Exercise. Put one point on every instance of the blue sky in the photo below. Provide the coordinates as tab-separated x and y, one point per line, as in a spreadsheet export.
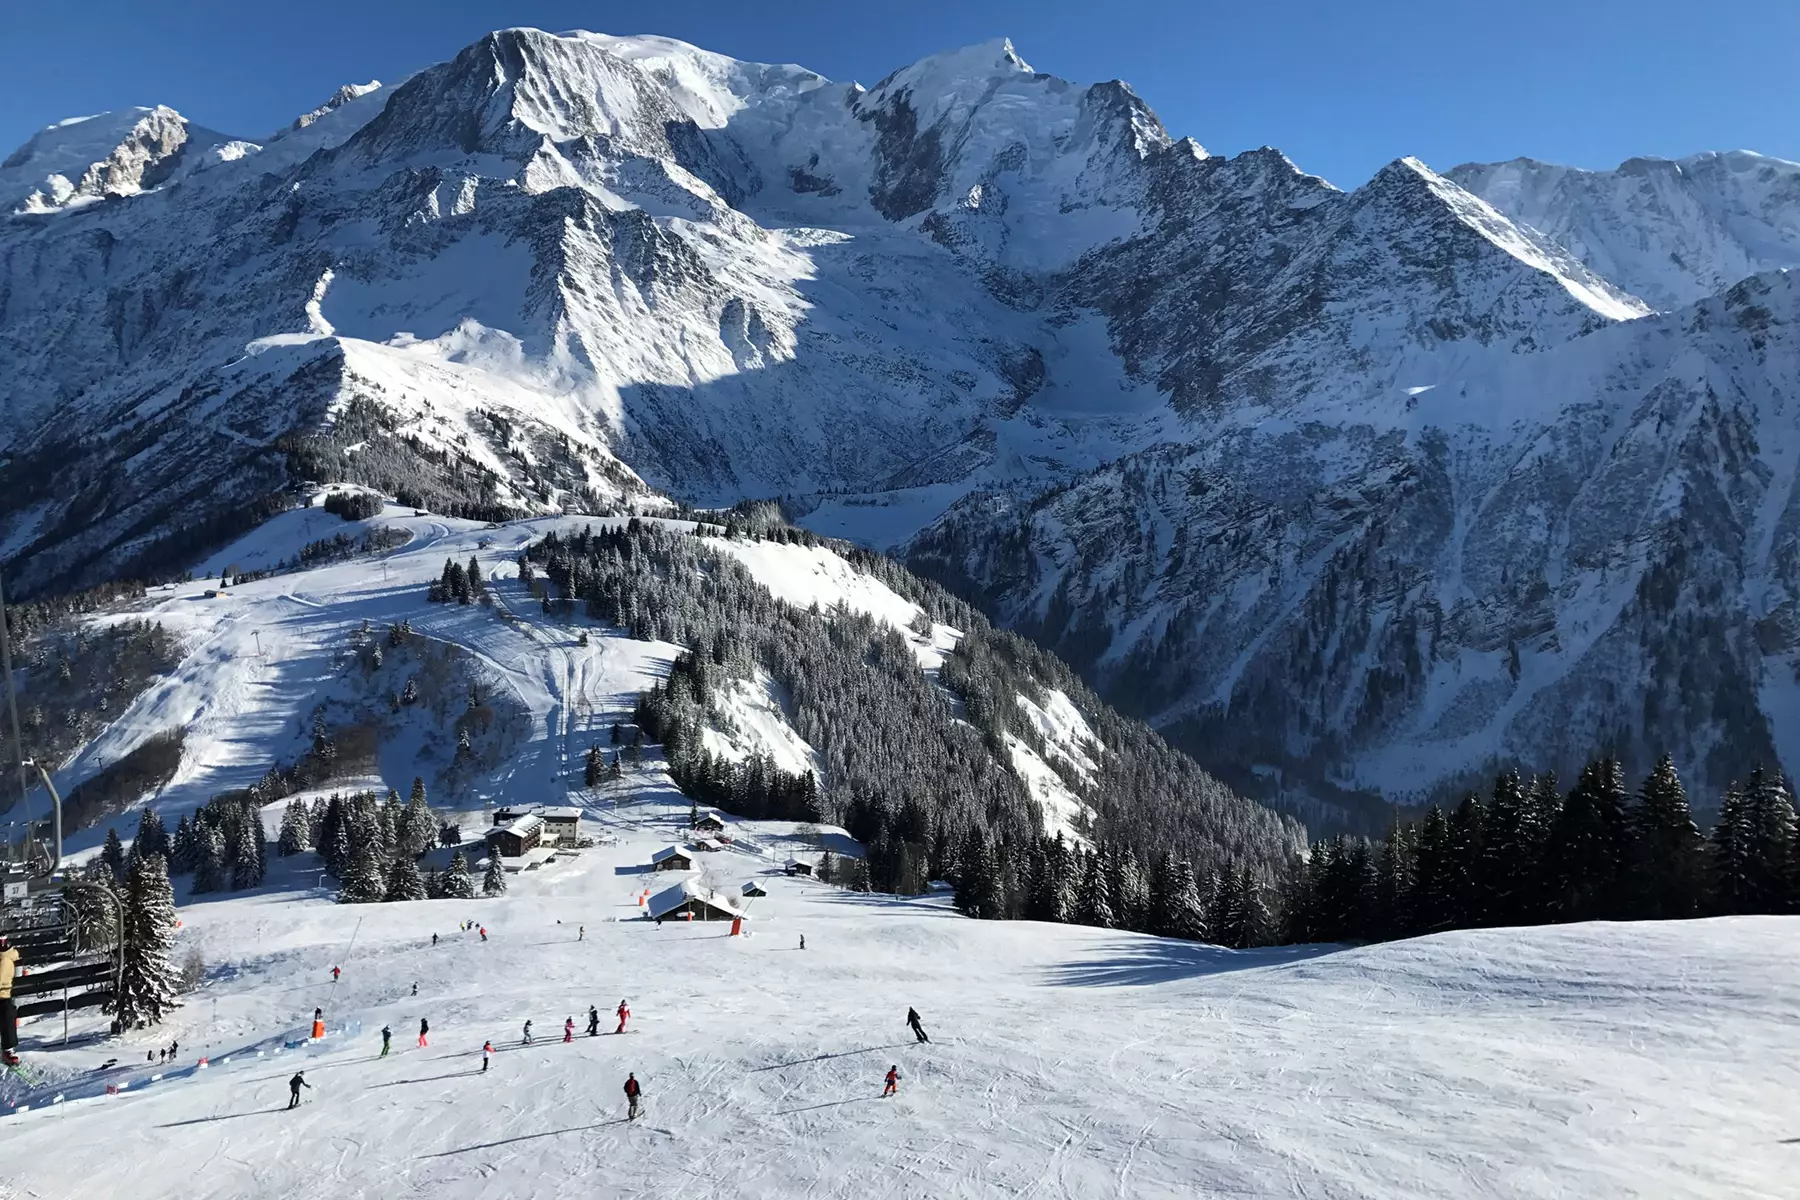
1341	87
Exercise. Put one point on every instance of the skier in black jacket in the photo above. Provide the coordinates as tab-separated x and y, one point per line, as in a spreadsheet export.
593	1021
912	1019
294	1086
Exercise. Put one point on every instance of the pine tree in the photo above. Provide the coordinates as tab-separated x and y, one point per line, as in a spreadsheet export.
296	829
1666	849
151	837
403	881
1127	890
1507	869
364	882
209	859
1771	834
113	855
246	860
1435	902
1249	915
1733	871
417	828
147	979
591	774
335	836
1587	847
182	848
1187	913
493	883
456	882
1093	903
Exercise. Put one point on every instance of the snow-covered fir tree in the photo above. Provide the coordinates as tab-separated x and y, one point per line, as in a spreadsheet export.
151	838
365	882
209	859
113	854
148	979
403	881
296	829
456	882
493	882
246	860
1093	903
1667	876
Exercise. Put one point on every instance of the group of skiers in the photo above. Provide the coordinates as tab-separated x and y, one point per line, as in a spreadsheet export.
623	1012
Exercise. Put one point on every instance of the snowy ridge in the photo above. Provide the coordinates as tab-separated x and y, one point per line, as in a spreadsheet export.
1669	230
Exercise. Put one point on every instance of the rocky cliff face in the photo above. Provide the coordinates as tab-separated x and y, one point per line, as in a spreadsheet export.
1351	491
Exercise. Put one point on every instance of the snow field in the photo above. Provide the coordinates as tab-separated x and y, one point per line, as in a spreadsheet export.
1643	1060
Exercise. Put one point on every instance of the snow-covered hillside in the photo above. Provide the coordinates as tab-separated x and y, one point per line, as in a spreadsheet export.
578	272
1669	230
1643	1060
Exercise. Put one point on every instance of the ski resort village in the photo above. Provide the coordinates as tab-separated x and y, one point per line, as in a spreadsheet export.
607	620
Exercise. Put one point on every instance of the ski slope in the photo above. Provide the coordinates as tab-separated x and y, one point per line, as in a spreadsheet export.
1595	1060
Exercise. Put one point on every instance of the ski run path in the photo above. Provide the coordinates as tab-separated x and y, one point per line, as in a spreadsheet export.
1596	1060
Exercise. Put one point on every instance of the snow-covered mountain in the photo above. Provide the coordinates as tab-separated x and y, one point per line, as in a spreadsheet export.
1669	230
1198	421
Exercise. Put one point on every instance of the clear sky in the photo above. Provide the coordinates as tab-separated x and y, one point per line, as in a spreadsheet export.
1341	86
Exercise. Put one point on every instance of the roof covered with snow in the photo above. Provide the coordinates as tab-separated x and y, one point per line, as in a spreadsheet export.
672	898
668	852
560	814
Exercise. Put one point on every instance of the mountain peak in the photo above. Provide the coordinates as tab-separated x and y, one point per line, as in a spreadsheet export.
85	159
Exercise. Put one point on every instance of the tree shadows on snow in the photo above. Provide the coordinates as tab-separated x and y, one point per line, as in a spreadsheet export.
1147	961
426	1079
801	1062
525	1137
255	1112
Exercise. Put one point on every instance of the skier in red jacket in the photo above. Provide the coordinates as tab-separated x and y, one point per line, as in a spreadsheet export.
569	1030
893	1081
624	1016
632	1092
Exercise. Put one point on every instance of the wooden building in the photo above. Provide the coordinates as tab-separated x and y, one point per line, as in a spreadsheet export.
692	896
517	837
672	858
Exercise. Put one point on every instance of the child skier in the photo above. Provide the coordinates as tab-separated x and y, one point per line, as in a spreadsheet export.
893	1082
335	972
424	1028
569	1030
487	1052
624	1016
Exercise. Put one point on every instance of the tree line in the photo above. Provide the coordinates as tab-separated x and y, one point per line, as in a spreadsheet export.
372	847
1529	853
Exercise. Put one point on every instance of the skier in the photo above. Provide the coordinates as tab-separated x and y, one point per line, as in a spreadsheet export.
528	1033
487	1053
294	1086
318	1030
581	933
335	972
9	1013
893	1082
434	939
593	1021
912	1019
484	933
387	1035
173	1046
803	941
624	1016
569	1030
632	1092
424	1028
162	1054
415	990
